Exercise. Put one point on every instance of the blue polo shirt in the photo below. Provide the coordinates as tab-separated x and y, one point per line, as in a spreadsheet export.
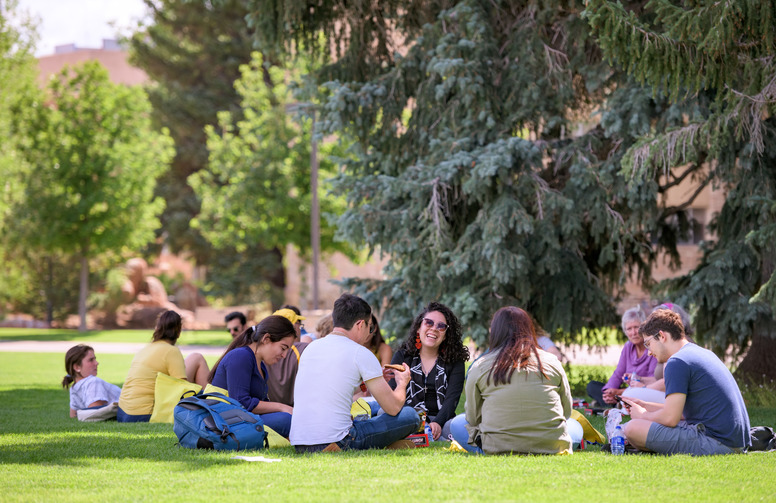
713	397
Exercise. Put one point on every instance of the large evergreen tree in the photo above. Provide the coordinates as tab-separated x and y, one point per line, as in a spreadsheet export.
192	51
489	140
725	51
476	166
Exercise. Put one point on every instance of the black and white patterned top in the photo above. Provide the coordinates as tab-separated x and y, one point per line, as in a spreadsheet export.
438	392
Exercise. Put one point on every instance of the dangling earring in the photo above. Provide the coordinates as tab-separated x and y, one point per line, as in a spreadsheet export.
417	341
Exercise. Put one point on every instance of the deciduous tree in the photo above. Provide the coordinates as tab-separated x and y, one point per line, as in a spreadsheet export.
256	189
94	160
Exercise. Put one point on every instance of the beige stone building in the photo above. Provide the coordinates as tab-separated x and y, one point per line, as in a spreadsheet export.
111	55
708	203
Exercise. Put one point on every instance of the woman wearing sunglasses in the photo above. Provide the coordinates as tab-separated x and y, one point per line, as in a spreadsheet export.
435	354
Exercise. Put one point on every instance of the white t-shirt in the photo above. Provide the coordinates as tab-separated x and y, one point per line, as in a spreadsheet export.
92	389
330	371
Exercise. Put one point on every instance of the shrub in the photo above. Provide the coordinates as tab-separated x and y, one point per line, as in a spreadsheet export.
758	394
580	375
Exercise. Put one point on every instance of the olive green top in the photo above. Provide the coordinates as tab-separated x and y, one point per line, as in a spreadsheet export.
528	415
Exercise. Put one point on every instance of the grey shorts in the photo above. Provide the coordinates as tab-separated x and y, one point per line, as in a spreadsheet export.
685	439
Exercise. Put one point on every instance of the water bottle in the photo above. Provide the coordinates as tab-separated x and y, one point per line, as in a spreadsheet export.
428	432
618	441
635	380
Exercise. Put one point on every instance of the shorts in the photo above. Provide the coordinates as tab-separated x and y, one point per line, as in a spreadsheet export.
685	438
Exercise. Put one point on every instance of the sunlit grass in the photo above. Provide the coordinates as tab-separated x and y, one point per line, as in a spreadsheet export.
46	456
203	337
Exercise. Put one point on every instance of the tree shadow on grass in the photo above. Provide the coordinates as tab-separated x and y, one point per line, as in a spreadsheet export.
32	431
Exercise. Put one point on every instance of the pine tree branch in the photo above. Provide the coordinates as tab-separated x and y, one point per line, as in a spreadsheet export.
679	179
751	111
672	210
667	144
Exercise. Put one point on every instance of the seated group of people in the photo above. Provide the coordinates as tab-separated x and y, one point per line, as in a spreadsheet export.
685	399
518	398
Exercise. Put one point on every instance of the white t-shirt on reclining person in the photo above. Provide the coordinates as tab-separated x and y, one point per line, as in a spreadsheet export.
92	389
330	371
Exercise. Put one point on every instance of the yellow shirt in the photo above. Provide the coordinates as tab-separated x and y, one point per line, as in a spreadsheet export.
137	394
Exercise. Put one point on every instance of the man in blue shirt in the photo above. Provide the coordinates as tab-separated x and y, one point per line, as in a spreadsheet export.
704	412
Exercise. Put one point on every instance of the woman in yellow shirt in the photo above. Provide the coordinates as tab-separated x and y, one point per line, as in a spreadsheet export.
137	396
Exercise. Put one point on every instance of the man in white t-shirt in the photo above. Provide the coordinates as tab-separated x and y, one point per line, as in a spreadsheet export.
330	371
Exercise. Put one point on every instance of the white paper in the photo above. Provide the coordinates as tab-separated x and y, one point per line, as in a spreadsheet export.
257	458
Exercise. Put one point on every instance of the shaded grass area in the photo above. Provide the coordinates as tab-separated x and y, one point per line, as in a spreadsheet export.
48	456
203	337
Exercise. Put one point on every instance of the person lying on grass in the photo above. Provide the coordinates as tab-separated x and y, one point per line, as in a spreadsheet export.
518	398
88	391
137	397
242	370
699	387
330	371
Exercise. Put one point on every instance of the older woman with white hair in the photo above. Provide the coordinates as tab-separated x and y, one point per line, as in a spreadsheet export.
655	392
634	359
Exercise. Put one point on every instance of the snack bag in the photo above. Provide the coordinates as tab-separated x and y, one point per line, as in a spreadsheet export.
613	420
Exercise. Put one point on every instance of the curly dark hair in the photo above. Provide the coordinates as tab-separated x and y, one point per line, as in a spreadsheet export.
452	349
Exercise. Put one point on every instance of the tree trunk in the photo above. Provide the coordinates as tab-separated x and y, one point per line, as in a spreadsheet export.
50	292
82	293
278	281
759	364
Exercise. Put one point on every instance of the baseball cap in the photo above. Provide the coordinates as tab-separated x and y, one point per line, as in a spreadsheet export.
289	315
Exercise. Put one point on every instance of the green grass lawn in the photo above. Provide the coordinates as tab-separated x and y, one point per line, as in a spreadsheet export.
204	337
46	456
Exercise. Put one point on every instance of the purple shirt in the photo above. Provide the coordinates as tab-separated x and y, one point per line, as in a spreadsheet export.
629	363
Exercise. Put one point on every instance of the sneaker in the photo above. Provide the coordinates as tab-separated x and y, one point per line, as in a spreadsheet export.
101	414
402	444
332	447
589	433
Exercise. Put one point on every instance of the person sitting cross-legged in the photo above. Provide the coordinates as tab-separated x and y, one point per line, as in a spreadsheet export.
242	370
699	387
518	398
330	370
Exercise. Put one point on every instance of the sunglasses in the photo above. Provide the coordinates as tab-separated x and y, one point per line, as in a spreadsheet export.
441	326
372	328
233	330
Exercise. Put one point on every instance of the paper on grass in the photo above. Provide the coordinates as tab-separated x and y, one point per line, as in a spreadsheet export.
257	458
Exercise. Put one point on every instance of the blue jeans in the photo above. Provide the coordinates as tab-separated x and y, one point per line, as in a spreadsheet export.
123	417
375	433
280	422
376	411
461	434
381	431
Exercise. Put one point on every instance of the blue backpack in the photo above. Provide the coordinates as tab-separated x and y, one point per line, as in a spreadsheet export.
215	421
